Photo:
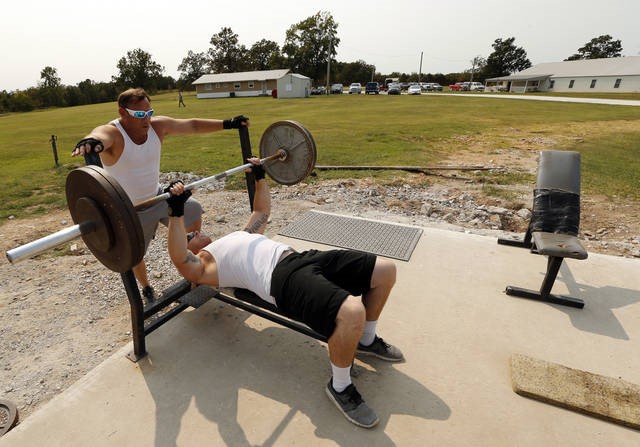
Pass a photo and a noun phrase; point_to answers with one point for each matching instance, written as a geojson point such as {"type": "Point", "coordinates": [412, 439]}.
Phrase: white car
{"type": "Point", "coordinates": [355, 88]}
{"type": "Point", "coordinates": [414, 89]}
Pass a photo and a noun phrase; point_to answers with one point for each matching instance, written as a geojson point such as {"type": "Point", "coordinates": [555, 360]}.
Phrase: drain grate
{"type": "Point", "coordinates": [380, 238]}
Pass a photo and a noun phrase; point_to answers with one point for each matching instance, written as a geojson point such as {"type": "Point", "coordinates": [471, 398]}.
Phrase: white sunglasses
{"type": "Point", "coordinates": [140, 113]}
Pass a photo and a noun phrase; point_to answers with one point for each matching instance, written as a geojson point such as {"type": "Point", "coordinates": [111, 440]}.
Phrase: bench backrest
{"type": "Point", "coordinates": [559, 170]}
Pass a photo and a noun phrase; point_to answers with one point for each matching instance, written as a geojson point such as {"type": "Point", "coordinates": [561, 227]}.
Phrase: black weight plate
{"type": "Point", "coordinates": [8, 416]}
{"type": "Point", "coordinates": [117, 240]}
{"type": "Point", "coordinates": [301, 151]}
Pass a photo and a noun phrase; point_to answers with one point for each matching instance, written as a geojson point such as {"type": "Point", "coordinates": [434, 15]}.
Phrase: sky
{"type": "Point", "coordinates": [85, 39]}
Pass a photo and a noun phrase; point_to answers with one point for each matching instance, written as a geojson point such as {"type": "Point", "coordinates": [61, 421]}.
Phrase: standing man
{"type": "Point", "coordinates": [129, 149]}
{"type": "Point", "coordinates": [180, 100]}
{"type": "Point", "coordinates": [338, 293]}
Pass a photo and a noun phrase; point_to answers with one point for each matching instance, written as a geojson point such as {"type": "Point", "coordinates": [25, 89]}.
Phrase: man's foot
{"type": "Point", "coordinates": [149, 294]}
{"type": "Point", "coordinates": [379, 348]}
{"type": "Point", "coordinates": [351, 404]}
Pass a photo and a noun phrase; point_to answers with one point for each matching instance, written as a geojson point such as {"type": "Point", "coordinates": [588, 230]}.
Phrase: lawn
{"type": "Point", "coordinates": [348, 130]}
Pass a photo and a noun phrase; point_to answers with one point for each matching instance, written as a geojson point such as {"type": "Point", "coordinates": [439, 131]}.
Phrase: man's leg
{"type": "Point", "coordinates": [383, 279]}
{"type": "Point", "coordinates": [342, 348]}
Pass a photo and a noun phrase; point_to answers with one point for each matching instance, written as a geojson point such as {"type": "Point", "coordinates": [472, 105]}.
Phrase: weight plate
{"type": "Point", "coordinates": [108, 221]}
{"type": "Point", "coordinates": [8, 416]}
{"type": "Point", "coordinates": [301, 151]}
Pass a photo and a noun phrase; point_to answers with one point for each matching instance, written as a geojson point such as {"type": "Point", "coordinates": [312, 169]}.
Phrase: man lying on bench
{"type": "Point", "coordinates": [338, 293]}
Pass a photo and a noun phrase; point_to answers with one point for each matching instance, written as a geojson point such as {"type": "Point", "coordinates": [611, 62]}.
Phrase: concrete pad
{"type": "Point", "coordinates": [220, 376]}
{"type": "Point", "coordinates": [608, 398]}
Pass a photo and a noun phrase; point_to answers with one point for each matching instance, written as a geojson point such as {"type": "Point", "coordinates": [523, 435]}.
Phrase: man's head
{"type": "Point", "coordinates": [197, 240]}
{"type": "Point", "coordinates": [134, 106]}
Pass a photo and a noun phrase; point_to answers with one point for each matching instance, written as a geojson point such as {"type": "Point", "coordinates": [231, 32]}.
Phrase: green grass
{"type": "Point", "coordinates": [359, 130]}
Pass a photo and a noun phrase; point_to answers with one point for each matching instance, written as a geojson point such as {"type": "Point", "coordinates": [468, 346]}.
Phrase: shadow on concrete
{"type": "Point", "coordinates": [232, 363]}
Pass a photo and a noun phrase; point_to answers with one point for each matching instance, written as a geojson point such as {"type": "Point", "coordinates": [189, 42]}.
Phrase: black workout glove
{"type": "Point", "coordinates": [176, 203]}
{"type": "Point", "coordinates": [258, 172]}
{"type": "Point", "coordinates": [96, 145]}
{"type": "Point", "coordinates": [235, 123]}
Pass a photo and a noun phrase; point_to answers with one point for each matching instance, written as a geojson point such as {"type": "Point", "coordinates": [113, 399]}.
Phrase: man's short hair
{"type": "Point", "coordinates": [137, 94]}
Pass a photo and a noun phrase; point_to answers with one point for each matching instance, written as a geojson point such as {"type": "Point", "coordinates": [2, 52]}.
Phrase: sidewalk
{"type": "Point", "coordinates": [614, 102]}
{"type": "Point", "coordinates": [219, 376]}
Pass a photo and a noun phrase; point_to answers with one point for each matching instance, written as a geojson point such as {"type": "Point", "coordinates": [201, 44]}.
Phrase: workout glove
{"type": "Point", "coordinates": [258, 172]}
{"type": "Point", "coordinates": [235, 123]}
{"type": "Point", "coordinates": [95, 145]}
{"type": "Point", "coordinates": [176, 203]}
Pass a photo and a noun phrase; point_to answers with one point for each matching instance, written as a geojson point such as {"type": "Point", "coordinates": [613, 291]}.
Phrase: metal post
{"type": "Point", "coordinates": [137, 316]}
{"type": "Point", "coordinates": [54, 148]}
{"type": "Point", "coordinates": [245, 145]}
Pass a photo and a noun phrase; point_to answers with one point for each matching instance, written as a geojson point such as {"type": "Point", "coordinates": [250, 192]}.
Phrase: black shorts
{"type": "Point", "coordinates": [311, 286]}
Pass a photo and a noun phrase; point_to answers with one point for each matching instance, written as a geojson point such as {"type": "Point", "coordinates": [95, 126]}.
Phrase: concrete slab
{"type": "Point", "coordinates": [220, 376]}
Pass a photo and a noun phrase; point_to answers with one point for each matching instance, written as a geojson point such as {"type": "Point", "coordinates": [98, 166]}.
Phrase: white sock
{"type": "Point", "coordinates": [369, 333]}
{"type": "Point", "coordinates": [341, 377]}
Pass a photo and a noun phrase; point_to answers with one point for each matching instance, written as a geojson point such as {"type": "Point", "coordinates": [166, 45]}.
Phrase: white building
{"type": "Point", "coordinates": [613, 75]}
{"type": "Point", "coordinates": [253, 83]}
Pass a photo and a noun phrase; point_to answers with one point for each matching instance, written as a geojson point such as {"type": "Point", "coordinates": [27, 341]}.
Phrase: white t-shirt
{"type": "Point", "coordinates": [247, 260]}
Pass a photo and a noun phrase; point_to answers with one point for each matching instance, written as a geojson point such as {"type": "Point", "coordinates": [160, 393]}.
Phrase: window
{"type": "Point", "coordinates": [571, 83]}
{"type": "Point", "coordinates": [250, 84]}
{"type": "Point", "coordinates": [217, 85]}
{"type": "Point", "coordinates": [207, 86]}
{"type": "Point", "coordinates": [551, 82]}
{"type": "Point", "coordinates": [617, 84]}
{"type": "Point", "coordinates": [593, 83]}
{"type": "Point", "coordinates": [236, 86]}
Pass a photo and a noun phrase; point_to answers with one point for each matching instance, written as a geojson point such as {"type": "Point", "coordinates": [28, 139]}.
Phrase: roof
{"type": "Point", "coordinates": [615, 66]}
{"type": "Point", "coordinates": [263, 75]}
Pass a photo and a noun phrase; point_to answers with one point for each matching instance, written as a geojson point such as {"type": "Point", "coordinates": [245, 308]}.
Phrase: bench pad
{"type": "Point", "coordinates": [558, 245]}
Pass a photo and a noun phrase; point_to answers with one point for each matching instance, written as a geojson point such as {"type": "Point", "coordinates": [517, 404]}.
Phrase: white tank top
{"type": "Point", "coordinates": [138, 168]}
{"type": "Point", "coordinates": [247, 260]}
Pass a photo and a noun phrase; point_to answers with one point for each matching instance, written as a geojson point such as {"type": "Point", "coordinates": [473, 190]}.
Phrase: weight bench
{"type": "Point", "coordinates": [147, 318]}
{"type": "Point", "coordinates": [554, 224]}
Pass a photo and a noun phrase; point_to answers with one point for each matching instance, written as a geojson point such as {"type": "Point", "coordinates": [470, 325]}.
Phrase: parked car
{"type": "Point", "coordinates": [436, 87]}
{"type": "Point", "coordinates": [320, 90]}
{"type": "Point", "coordinates": [336, 88]}
{"type": "Point", "coordinates": [414, 89]}
{"type": "Point", "coordinates": [372, 88]}
{"type": "Point", "coordinates": [475, 86]}
{"type": "Point", "coordinates": [394, 89]}
{"type": "Point", "coordinates": [355, 88]}
{"type": "Point", "coordinates": [458, 87]}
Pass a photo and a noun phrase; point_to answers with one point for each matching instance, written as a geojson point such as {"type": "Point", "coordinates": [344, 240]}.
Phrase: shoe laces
{"type": "Point", "coordinates": [353, 394]}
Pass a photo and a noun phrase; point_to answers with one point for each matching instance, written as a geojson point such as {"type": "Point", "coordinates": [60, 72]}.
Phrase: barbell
{"type": "Point", "coordinates": [108, 222]}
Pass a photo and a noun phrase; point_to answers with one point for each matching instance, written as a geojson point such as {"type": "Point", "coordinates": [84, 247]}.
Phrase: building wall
{"type": "Point", "coordinates": [293, 87]}
{"type": "Point", "coordinates": [227, 89]}
{"type": "Point", "coordinates": [602, 84]}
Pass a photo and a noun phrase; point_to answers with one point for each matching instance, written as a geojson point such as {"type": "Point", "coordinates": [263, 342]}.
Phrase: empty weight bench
{"type": "Point", "coordinates": [554, 224]}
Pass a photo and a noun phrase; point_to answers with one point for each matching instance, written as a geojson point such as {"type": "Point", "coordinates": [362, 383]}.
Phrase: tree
{"type": "Point", "coordinates": [598, 48]}
{"type": "Point", "coordinates": [264, 55]}
{"type": "Point", "coordinates": [505, 59]}
{"type": "Point", "coordinates": [192, 67]}
{"type": "Point", "coordinates": [49, 77]}
{"type": "Point", "coordinates": [310, 43]}
{"type": "Point", "coordinates": [225, 55]}
{"type": "Point", "coordinates": [137, 69]}
{"type": "Point", "coordinates": [358, 71]}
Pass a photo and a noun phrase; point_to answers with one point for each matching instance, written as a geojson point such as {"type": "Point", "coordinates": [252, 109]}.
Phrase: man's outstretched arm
{"type": "Point", "coordinates": [261, 201]}
{"type": "Point", "coordinates": [189, 265]}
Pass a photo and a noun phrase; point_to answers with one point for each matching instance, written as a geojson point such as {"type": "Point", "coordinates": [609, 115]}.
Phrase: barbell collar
{"type": "Point", "coordinates": [43, 244]}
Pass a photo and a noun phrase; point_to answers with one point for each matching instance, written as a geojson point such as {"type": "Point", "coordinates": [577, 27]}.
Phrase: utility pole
{"type": "Point", "coordinates": [420, 71]}
{"type": "Point", "coordinates": [328, 66]}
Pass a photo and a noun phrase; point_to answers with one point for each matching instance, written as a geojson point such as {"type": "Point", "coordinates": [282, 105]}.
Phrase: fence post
{"type": "Point", "coordinates": [54, 148]}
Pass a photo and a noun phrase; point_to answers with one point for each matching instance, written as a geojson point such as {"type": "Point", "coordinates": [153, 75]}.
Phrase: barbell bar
{"type": "Point", "coordinates": [108, 223]}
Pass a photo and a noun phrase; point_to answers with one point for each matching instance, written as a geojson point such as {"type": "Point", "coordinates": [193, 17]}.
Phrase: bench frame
{"type": "Point", "coordinates": [555, 245]}
{"type": "Point", "coordinates": [147, 318]}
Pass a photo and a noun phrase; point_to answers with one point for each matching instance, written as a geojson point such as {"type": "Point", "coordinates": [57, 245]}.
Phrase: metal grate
{"type": "Point", "coordinates": [380, 238]}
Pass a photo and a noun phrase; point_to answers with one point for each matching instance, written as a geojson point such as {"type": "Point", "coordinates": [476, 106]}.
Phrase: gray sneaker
{"type": "Point", "coordinates": [351, 404]}
{"type": "Point", "coordinates": [379, 348]}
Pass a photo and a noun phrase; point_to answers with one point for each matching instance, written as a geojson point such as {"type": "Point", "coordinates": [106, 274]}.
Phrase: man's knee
{"type": "Point", "coordinates": [352, 312]}
{"type": "Point", "coordinates": [384, 273]}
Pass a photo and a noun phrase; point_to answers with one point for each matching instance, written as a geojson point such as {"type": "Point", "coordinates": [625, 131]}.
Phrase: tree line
{"type": "Point", "coordinates": [308, 46]}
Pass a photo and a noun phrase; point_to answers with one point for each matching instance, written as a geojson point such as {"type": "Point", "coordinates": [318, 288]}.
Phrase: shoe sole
{"type": "Point", "coordinates": [374, 354]}
{"type": "Point", "coordinates": [353, 421]}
